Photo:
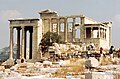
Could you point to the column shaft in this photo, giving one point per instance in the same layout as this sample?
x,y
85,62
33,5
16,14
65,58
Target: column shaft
x,y
58,26
85,33
73,31
23,43
50,28
11,43
91,32
98,32
65,29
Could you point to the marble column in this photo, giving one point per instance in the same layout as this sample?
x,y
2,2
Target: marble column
x,y
105,33
91,32
110,36
50,28
73,31
58,26
11,43
65,29
98,32
23,43
85,33
18,43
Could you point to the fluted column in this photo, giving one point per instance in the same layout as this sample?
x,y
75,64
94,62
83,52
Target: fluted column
x,y
18,43
73,31
11,43
58,26
110,36
105,33
99,32
23,43
65,29
91,32
50,28
85,33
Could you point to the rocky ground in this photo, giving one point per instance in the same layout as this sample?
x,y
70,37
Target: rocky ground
x,y
75,68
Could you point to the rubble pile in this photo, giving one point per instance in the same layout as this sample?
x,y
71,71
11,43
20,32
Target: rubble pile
x,y
71,64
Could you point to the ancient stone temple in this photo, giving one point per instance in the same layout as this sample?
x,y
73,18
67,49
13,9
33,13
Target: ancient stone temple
x,y
22,26
75,29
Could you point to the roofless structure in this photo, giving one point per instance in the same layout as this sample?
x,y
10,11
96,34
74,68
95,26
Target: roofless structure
x,y
75,29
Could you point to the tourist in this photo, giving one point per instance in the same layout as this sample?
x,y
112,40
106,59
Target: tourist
x,y
111,50
101,50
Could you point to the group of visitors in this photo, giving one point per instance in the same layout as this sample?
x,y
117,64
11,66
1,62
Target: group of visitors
x,y
101,50
111,50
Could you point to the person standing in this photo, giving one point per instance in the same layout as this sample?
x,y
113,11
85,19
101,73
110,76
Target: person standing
x,y
101,50
111,50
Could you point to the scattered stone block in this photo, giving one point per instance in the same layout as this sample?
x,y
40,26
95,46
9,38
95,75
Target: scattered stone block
x,y
2,68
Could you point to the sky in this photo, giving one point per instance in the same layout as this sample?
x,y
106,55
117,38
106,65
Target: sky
x,y
99,10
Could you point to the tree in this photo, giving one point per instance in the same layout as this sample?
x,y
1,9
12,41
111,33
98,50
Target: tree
x,y
48,39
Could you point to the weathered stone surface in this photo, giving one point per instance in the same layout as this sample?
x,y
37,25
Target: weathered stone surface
x,y
9,62
91,62
2,68
90,31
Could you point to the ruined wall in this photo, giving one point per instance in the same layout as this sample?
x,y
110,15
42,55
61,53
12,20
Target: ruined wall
x,y
45,25
39,31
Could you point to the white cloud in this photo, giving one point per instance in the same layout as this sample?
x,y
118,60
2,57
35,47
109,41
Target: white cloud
x,y
5,15
9,14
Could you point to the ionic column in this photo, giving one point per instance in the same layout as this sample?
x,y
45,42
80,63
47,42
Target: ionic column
x,y
84,31
91,32
23,43
105,33
73,31
65,29
11,43
18,43
98,32
50,28
58,26
110,36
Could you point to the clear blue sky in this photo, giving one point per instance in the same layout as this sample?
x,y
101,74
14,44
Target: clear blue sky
x,y
99,10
